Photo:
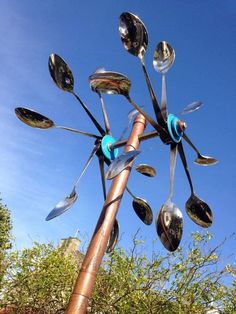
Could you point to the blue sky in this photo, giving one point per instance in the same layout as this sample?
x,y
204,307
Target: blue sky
x,y
38,168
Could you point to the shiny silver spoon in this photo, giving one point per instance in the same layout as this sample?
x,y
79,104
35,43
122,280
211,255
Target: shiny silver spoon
x,y
37,120
141,208
104,113
196,208
134,37
113,237
193,106
120,163
146,170
201,159
116,83
63,78
65,204
169,223
163,59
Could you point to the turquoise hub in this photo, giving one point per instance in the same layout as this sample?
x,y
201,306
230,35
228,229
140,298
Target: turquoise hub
x,y
174,129
106,143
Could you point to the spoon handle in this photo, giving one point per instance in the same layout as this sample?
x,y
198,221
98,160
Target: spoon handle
x,y
162,132
155,104
77,131
173,153
95,122
184,162
185,137
105,117
102,174
164,98
131,116
95,148
130,193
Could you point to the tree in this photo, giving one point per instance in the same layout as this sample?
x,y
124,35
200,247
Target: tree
x,y
187,281
5,228
40,280
5,237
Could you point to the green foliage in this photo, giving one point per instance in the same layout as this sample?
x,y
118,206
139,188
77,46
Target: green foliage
x,y
5,228
40,280
5,237
187,281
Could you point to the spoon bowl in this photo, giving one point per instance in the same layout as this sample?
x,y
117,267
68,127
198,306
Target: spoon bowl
x,y
143,210
120,163
169,225
164,57
205,160
63,206
61,73
113,237
193,106
199,211
146,170
107,82
133,33
33,118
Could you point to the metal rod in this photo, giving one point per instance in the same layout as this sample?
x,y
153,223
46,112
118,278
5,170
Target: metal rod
x,y
77,131
86,279
142,137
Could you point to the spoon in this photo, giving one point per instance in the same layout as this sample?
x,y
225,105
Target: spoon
x,y
146,170
120,163
63,77
201,159
193,106
37,120
113,237
134,37
163,59
141,208
169,223
65,204
108,82
197,209
105,117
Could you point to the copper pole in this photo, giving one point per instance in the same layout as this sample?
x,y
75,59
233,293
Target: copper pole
x,y
85,282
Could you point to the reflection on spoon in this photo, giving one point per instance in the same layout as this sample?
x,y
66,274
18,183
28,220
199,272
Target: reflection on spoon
x,y
113,237
120,163
146,170
141,208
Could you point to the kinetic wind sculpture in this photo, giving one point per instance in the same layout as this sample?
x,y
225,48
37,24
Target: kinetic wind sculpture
x,y
168,127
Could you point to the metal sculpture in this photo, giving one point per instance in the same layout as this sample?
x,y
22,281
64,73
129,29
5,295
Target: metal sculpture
x,y
170,129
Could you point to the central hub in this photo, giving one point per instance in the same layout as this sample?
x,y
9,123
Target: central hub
x,y
107,149
176,127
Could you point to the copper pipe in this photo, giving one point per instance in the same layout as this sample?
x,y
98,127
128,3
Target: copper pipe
x,y
85,282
